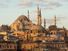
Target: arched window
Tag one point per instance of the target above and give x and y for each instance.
(31, 31)
(0, 46)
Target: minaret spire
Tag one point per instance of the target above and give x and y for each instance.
(44, 23)
(39, 16)
(55, 20)
(28, 14)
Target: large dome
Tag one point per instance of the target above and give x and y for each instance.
(22, 18)
(22, 22)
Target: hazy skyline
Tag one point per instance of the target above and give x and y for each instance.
(11, 9)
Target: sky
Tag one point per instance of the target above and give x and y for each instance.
(10, 10)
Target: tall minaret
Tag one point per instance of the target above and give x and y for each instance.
(39, 19)
(28, 14)
(44, 23)
(55, 20)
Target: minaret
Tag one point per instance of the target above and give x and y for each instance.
(55, 20)
(28, 14)
(44, 23)
(39, 16)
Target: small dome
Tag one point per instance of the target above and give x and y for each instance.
(52, 27)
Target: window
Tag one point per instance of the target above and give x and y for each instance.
(0, 46)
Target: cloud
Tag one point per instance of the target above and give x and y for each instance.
(3, 4)
(64, 0)
(8, 3)
(43, 3)
(25, 3)
(46, 4)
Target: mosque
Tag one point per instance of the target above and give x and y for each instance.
(51, 37)
(24, 24)
(35, 37)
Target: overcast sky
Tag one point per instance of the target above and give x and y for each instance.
(11, 9)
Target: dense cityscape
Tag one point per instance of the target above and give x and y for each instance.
(24, 35)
